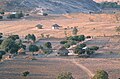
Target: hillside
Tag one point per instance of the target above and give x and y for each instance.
(51, 6)
(107, 0)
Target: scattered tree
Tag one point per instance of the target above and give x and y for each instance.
(9, 45)
(33, 38)
(101, 74)
(1, 17)
(33, 48)
(48, 45)
(63, 42)
(74, 31)
(25, 74)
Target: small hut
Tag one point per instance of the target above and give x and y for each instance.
(56, 26)
(62, 51)
(21, 51)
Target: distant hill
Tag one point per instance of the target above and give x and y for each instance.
(50, 6)
(107, 0)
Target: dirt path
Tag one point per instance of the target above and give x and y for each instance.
(85, 69)
(90, 74)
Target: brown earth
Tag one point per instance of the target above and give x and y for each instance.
(88, 24)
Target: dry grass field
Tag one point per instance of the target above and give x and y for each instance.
(43, 68)
(49, 68)
(88, 24)
(109, 65)
(100, 26)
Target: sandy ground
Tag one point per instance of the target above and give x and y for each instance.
(88, 24)
(49, 68)
(109, 65)
(43, 68)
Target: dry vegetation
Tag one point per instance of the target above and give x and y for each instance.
(48, 68)
(88, 24)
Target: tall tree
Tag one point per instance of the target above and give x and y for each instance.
(75, 31)
(33, 48)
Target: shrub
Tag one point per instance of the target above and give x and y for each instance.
(81, 38)
(72, 42)
(1, 17)
(33, 48)
(9, 45)
(45, 14)
(26, 73)
(14, 37)
(94, 48)
(66, 45)
(48, 45)
(66, 75)
(74, 31)
(77, 38)
(101, 74)
(82, 45)
(78, 50)
(2, 52)
(88, 36)
(63, 42)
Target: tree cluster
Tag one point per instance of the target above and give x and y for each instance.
(17, 15)
(30, 37)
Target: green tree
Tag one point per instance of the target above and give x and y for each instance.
(11, 16)
(48, 45)
(101, 74)
(74, 31)
(14, 37)
(2, 12)
(1, 57)
(28, 37)
(79, 51)
(33, 38)
(1, 17)
(9, 45)
(25, 74)
(33, 48)
(66, 75)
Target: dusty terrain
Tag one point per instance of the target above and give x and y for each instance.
(88, 24)
(100, 26)
(49, 68)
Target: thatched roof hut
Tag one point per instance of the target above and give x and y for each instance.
(62, 51)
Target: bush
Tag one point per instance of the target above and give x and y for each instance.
(66, 75)
(81, 38)
(48, 45)
(66, 45)
(26, 73)
(1, 17)
(14, 37)
(11, 16)
(77, 38)
(63, 42)
(94, 48)
(17, 15)
(88, 36)
(82, 45)
(45, 14)
(101, 74)
(72, 42)
(79, 51)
